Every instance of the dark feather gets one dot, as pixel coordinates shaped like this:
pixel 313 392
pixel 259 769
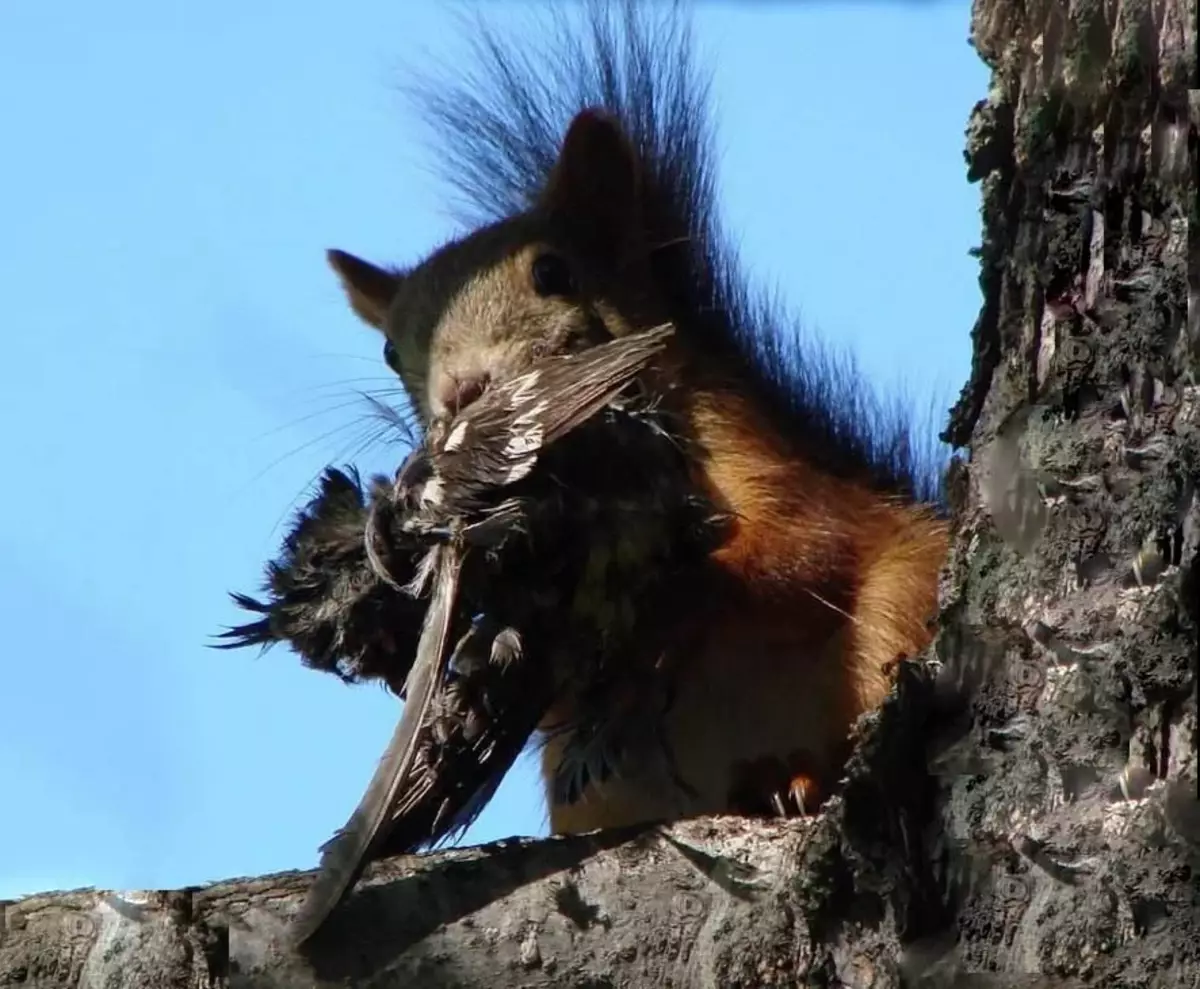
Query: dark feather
pixel 322 597
pixel 485 718
pixel 460 732
pixel 496 441
pixel 344 855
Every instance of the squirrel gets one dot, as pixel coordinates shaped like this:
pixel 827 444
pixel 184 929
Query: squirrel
pixel 592 173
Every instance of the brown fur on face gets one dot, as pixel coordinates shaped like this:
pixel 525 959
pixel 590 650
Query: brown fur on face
pixel 470 312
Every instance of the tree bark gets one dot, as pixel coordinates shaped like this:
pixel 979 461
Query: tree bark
pixel 603 910
pixel 1071 600
pixel 1023 809
pixel 721 902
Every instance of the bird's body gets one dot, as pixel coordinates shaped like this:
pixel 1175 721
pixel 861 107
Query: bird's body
pixel 541 554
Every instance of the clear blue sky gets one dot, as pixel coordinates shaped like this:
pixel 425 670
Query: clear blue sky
pixel 178 365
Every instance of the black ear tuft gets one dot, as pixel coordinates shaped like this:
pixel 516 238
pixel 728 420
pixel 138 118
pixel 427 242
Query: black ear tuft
pixel 593 189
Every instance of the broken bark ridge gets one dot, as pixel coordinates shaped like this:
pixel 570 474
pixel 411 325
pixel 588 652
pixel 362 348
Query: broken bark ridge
pixel 1056 841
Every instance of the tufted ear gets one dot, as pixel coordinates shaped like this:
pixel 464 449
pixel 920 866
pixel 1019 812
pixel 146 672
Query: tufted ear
pixel 593 189
pixel 369 289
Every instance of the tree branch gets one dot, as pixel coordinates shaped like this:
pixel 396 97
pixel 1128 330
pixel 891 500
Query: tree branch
pixel 714 902
pixel 696 904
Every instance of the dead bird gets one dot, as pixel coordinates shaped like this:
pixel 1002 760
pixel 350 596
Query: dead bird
pixel 536 552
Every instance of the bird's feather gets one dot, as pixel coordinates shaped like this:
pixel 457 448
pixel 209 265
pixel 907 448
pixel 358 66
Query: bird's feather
pixel 471 512
pixel 344 855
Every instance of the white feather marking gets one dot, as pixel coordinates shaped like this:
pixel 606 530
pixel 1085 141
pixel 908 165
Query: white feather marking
pixel 420 580
pixel 524 385
pixel 535 411
pixel 520 469
pixel 432 492
pixel 524 443
pixel 456 437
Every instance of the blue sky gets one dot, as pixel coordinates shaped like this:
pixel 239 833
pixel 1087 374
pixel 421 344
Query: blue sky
pixel 179 365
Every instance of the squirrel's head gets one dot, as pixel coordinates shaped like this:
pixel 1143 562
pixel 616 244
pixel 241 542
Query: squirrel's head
pixel 569 273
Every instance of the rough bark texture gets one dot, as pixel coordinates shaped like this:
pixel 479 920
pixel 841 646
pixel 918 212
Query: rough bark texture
pixel 1023 810
pixel 720 902
pixel 1071 601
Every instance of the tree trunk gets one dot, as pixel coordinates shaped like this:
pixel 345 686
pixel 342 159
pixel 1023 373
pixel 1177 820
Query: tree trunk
pixel 1072 597
pixel 1023 810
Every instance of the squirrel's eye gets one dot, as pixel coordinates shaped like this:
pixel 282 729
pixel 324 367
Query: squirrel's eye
pixel 390 356
pixel 552 276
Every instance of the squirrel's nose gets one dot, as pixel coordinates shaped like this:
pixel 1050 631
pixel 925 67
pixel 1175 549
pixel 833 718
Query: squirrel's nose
pixel 455 394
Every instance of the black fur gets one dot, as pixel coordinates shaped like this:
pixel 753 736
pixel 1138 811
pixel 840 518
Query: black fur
pixel 497 131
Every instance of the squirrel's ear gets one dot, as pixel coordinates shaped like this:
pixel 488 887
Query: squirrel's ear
pixel 593 188
pixel 369 289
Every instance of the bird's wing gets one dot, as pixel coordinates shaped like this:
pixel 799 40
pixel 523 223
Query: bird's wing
pixel 577 386
pixel 344 855
pixel 483 728
pixel 496 440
